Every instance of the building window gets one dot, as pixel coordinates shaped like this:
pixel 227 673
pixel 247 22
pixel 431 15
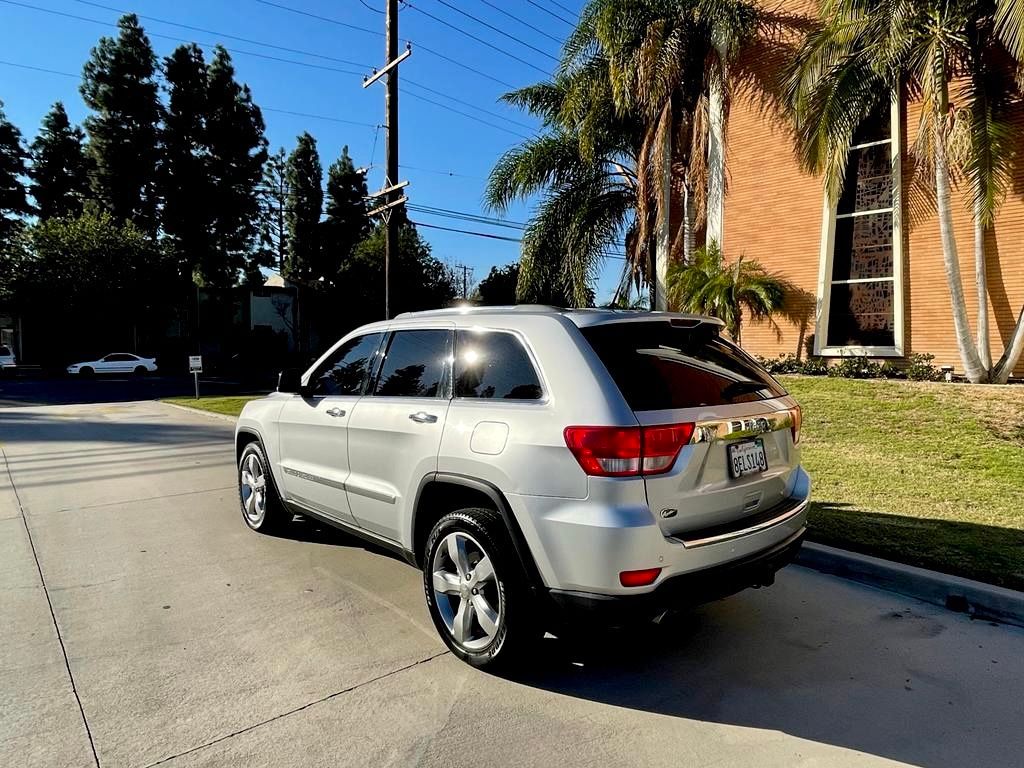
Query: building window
pixel 860 290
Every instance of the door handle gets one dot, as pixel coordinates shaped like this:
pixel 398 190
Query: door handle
pixel 335 412
pixel 421 417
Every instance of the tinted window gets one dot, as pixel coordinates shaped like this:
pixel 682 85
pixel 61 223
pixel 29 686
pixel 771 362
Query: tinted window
pixel 657 365
pixel 490 364
pixel 415 364
pixel 119 357
pixel 346 371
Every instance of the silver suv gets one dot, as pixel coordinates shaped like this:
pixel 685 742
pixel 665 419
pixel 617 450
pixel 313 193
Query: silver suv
pixel 543 467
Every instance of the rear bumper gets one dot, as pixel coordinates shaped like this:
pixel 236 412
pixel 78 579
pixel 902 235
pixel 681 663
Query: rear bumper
pixel 681 591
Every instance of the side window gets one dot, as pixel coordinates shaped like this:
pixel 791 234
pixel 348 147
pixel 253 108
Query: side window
pixel 345 372
pixel 493 364
pixel 415 364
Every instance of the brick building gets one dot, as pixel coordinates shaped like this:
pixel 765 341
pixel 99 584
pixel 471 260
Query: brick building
pixel 868 265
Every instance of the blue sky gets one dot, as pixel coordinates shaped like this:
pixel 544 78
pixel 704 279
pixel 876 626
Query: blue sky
pixel 445 155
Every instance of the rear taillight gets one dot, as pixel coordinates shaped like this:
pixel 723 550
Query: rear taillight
pixel 797 421
pixel 627 451
pixel 639 578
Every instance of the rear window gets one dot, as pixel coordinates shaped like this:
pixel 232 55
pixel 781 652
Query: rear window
pixel 658 366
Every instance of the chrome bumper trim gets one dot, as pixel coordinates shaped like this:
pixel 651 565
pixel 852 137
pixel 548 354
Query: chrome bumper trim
pixel 764 525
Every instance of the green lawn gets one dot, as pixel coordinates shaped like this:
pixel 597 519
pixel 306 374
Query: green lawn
pixel 229 406
pixel 927 474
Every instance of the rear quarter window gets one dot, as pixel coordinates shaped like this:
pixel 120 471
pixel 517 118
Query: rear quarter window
pixel 659 365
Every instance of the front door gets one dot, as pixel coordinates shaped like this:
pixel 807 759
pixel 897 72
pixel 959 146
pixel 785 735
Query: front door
pixel 314 429
pixel 395 430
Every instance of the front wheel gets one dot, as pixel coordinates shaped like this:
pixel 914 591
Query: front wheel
pixel 262 509
pixel 475 589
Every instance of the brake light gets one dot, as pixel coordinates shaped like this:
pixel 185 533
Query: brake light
pixel 627 451
pixel 798 419
pixel 639 578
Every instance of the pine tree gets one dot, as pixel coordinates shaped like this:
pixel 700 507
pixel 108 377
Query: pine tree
pixel 118 85
pixel 184 181
pixel 60 168
pixel 13 202
pixel 346 223
pixel 274 196
pixel 237 151
pixel 305 203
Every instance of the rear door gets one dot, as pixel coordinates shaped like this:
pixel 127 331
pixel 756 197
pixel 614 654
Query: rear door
pixel 395 431
pixel 742 457
pixel 313 428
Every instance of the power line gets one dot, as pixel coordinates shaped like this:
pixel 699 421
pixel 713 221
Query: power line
pixel 467 115
pixel 552 13
pixel 262 108
pixel 557 4
pixel 501 32
pixel 467 104
pixel 470 35
pixel 487 235
pixel 377 33
pixel 237 51
pixel 224 34
pixel 512 16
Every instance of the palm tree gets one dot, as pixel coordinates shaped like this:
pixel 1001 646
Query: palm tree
pixel 582 165
pixel 709 286
pixel 867 50
pixel 630 100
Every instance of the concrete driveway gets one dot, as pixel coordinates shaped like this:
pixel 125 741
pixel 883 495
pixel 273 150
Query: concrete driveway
pixel 142 624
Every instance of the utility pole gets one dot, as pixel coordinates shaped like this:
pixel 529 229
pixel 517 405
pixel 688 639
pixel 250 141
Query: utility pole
pixel 465 279
pixel 391 133
pixel 391 182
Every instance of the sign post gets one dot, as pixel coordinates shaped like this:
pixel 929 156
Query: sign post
pixel 195 367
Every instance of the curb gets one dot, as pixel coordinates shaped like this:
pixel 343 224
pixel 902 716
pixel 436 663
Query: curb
pixel 210 414
pixel 980 601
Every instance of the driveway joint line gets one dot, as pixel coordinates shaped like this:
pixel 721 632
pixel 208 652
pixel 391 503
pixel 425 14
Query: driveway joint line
pixel 296 710
pixel 148 498
pixel 49 603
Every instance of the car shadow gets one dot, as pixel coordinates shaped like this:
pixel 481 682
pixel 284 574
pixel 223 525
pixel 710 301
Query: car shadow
pixel 313 531
pixel 793 660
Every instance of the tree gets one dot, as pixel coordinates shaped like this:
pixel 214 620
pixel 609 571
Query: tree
pixel 237 151
pixel 13 202
pixel 305 202
pixel 274 195
pixel 60 168
pixel 707 285
pixel 499 287
pixel 867 52
pixel 418 279
pixel 346 222
pixel 118 84
pixel 185 185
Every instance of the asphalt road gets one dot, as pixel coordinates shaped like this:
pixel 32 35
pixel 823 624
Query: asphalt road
pixel 142 624
pixel 24 391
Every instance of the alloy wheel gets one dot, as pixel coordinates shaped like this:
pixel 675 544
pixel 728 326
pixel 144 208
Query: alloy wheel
pixel 254 490
pixel 466 591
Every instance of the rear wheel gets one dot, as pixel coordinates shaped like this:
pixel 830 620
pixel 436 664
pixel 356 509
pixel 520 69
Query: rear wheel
pixel 140 370
pixel 475 589
pixel 261 507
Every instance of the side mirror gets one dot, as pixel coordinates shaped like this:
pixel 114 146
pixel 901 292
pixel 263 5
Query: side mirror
pixel 290 380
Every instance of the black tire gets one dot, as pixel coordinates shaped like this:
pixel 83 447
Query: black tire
pixel 484 531
pixel 266 514
pixel 140 371
pixel 86 372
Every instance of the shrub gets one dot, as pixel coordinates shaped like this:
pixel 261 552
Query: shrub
pixel 790 363
pixel 856 368
pixel 815 366
pixel 920 368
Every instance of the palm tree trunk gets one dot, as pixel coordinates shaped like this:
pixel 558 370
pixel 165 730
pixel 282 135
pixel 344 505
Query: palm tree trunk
pixel 688 223
pixel 973 367
pixel 1003 369
pixel 981 279
pixel 663 237
pixel 716 160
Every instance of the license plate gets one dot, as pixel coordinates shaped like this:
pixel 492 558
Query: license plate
pixel 747 458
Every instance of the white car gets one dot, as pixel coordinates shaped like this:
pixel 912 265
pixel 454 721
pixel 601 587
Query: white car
pixel 7 357
pixel 543 467
pixel 116 362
